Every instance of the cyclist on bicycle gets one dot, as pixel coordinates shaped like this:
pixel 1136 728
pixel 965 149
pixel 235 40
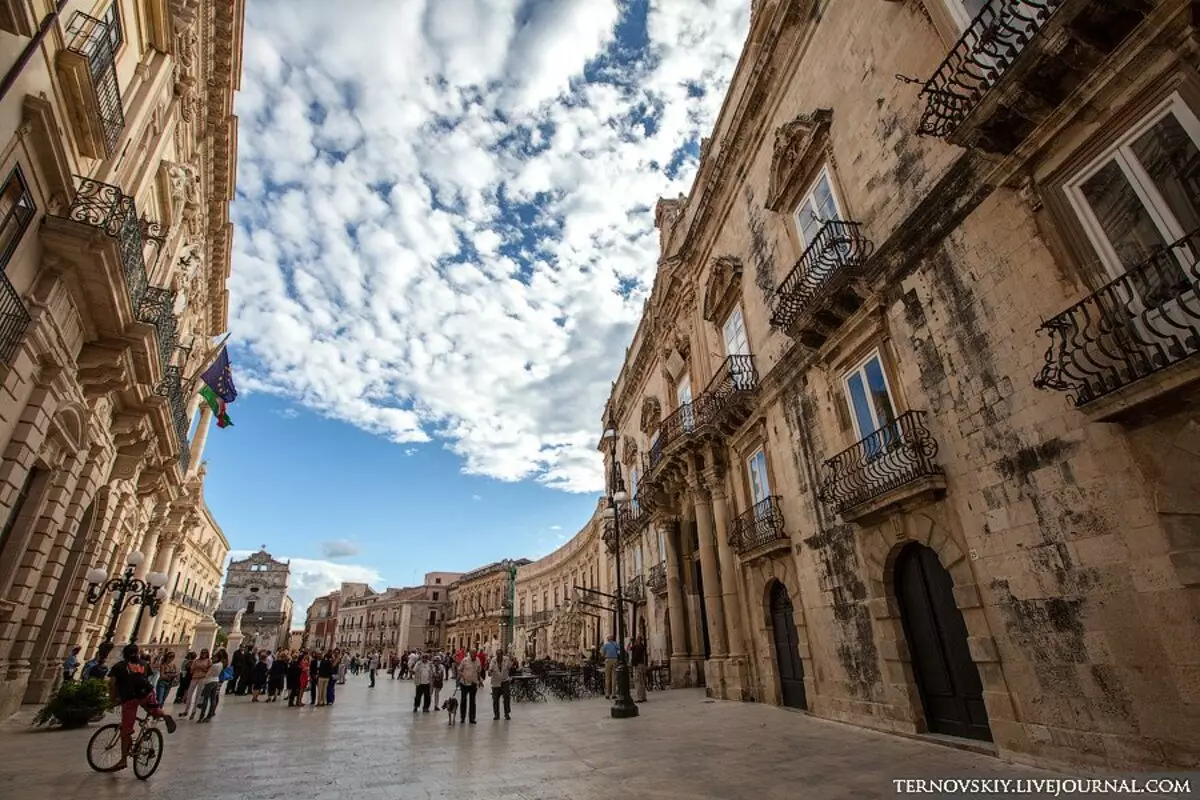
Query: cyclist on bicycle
pixel 129 686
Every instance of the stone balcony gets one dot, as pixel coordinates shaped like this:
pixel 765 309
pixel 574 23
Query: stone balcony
pixel 1105 349
pixel 759 531
pixel 171 388
pixel 1017 62
pixel 656 579
pixel 823 289
pixel 88 74
pixel 894 466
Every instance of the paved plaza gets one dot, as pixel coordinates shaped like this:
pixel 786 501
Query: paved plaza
pixel 370 746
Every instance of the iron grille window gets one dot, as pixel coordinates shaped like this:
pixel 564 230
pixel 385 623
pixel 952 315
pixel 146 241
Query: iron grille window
pixel 112 20
pixel 16 204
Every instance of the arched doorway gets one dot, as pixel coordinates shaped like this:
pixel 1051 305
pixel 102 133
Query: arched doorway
pixel 787 648
pixel 947 678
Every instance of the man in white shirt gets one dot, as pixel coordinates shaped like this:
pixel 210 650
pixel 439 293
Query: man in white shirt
pixel 423 677
pixel 413 658
pixel 500 673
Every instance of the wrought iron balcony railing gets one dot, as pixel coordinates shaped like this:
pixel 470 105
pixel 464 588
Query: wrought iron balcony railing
pixel 1144 321
pixel 158 309
pixel 681 422
pixel 834 257
pixel 733 385
pixel 172 389
pixel 90 38
pixel 656 578
pixel 759 525
pixel 104 206
pixel 14 320
pixel 988 48
pixel 898 453
pixel 634 589
pixel 633 521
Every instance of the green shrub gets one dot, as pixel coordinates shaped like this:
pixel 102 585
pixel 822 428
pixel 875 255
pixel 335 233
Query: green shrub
pixel 75 703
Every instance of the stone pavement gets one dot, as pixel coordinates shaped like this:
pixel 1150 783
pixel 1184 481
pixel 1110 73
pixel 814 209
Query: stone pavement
pixel 370 746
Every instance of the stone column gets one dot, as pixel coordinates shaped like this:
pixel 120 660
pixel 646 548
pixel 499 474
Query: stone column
pixel 205 635
pixel 679 639
pixel 735 667
pixel 164 563
pixel 192 407
pixel 200 438
pixel 712 590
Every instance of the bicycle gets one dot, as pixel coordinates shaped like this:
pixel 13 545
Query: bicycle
pixel 104 748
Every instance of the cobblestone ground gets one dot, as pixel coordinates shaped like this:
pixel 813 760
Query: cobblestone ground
pixel 370 746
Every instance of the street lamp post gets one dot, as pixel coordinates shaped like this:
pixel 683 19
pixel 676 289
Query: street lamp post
pixel 623 707
pixel 508 607
pixel 127 590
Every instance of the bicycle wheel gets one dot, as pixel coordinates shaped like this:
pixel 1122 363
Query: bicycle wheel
pixel 147 752
pixel 104 749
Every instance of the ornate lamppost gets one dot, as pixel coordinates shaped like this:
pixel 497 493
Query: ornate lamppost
pixel 508 621
pixel 623 707
pixel 127 590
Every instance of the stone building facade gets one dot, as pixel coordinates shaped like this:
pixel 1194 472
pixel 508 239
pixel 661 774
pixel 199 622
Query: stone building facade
pixel 557 611
pixel 480 612
pixel 255 601
pixel 912 410
pixel 118 167
pixel 394 620
pixel 195 586
pixel 321 621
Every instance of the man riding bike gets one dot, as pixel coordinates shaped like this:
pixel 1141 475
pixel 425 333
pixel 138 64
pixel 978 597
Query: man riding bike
pixel 129 685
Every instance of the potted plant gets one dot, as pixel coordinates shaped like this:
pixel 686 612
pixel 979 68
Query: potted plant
pixel 74 704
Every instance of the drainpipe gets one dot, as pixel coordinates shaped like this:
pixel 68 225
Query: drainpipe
pixel 15 71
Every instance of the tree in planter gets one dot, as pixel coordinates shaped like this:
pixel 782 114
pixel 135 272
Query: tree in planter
pixel 75 703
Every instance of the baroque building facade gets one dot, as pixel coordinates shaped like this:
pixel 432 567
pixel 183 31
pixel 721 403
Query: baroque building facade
pixel 119 150
pixel 255 601
pixel 910 420
pixel 480 606
pixel 195 582
pixel 392 621
pixel 561 599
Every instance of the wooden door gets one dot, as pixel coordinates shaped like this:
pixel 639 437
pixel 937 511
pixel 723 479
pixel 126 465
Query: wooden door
pixel 947 678
pixel 787 648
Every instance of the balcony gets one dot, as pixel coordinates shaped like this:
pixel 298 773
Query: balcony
pixel 673 430
pixel 158 309
pixel 893 466
pixel 14 320
pixel 822 290
pixel 88 72
pixel 1016 63
pixel 634 590
pixel 729 397
pixel 172 389
pixel 656 579
pixel 1142 323
pixel 759 531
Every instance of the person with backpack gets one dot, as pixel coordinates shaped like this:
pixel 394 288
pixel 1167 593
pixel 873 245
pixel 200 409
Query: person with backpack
pixel 97 668
pixel 130 688
pixel 210 694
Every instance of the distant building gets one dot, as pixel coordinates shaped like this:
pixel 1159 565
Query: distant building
pixel 357 618
pixel 258 587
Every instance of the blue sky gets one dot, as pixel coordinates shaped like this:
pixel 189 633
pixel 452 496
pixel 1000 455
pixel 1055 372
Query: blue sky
pixel 444 240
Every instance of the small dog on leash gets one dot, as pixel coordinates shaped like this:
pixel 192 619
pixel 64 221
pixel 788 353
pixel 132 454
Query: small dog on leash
pixel 451 707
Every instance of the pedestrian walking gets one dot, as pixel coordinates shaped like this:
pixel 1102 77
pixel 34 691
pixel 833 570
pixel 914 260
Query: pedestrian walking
pixel 277 676
pixel 439 678
pixel 611 652
pixel 71 664
pixel 423 680
pixel 168 676
pixel 185 678
pixel 325 673
pixel 468 684
pixel 297 674
pixel 258 677
pixel 373 667
pixel 637 658
pixel 200 668
pixel 210 695
pixel 500 674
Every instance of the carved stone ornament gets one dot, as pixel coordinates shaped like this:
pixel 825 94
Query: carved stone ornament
pixel 723 288
pixel 667 212
pixel 798 147
pixel 651 415
pixel 630 451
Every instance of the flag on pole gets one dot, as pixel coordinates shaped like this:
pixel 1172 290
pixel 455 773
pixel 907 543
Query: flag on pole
pixel 218 389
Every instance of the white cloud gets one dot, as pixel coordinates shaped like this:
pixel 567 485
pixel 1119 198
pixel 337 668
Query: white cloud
pixel 476 498
pixel 373 147
pixel 339 548
pixel 556 527
pixel 311 577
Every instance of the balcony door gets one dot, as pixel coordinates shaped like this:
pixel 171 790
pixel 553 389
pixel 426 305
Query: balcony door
pixel 683 398
pixel 737 344
pixel 1140 196
pixel 819 206
pixel 871 407
pixel 756 471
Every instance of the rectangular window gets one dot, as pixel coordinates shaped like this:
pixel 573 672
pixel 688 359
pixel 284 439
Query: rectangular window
pixel 662 545
pixel 736 343
pixel 16 212
pixel 756 468
pixel 963 11
pixel 637 559
pixel 819 206
pixel 871 406
pixel 633 487
pixel 1142 194
pixel 435 595
pixel 250 606
pixel 112 21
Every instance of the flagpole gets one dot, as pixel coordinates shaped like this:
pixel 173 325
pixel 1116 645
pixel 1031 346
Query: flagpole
pixel 209 358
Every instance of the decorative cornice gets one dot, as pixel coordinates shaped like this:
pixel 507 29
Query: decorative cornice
pixel 723 288
pixel 798 146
